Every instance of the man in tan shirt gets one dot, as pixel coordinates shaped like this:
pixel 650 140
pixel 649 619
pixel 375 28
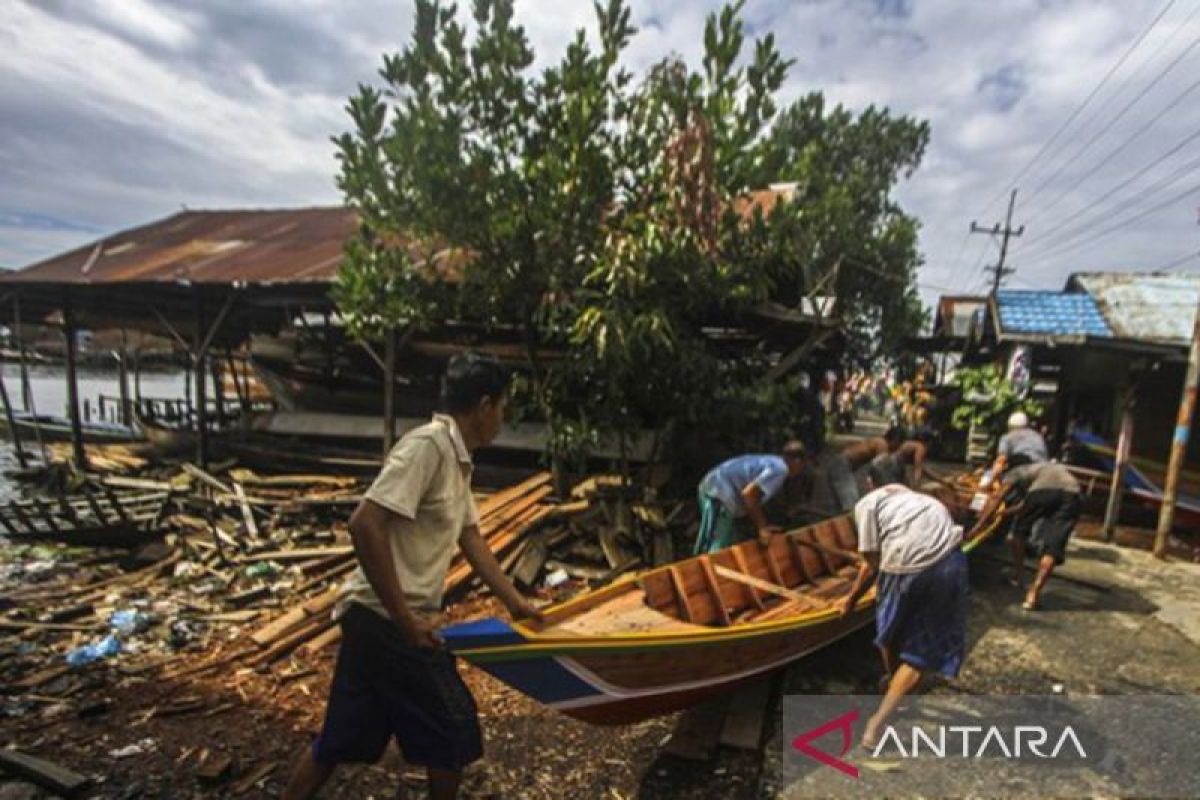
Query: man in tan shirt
pixel 393 678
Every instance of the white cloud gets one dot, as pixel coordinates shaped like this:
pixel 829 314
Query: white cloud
pixel 112 114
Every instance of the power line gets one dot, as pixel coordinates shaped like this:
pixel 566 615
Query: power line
pixel 1177 262
pixel 1162 183
pixel 1116 118
pixel 1040 236
pixel 1079 109
pixel 1125 223
pixel 1113 153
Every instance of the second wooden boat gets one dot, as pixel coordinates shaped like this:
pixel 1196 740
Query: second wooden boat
pixel 672 636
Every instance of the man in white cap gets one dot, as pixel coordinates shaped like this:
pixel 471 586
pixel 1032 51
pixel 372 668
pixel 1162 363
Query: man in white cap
pixel 1021 445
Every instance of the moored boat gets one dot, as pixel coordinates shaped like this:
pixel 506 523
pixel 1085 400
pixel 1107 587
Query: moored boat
pixel 58 429
pixel 674 635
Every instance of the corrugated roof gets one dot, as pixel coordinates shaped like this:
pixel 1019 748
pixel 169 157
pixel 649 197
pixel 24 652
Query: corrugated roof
pixel 301 245
pixel 1053 314
pixel 1150 307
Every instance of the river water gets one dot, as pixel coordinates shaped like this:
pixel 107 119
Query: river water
pixel 48 386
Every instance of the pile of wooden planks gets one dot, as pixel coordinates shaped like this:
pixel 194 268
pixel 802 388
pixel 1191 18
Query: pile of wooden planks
pixel 504 520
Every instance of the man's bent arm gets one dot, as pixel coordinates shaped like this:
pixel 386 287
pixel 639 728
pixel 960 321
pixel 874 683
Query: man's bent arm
pixel 369 535
pixel 752 499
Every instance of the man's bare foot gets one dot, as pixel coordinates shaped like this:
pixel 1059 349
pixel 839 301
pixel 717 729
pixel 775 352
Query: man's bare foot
pixel 1031 603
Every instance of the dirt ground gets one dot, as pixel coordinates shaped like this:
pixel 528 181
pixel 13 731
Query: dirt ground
pixel 1115 621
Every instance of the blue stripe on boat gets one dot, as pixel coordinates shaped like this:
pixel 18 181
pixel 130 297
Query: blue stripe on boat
pixel 541 677
pixel 490 632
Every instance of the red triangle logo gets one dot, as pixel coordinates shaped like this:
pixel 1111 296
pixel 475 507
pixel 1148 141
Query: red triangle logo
pixel 844 723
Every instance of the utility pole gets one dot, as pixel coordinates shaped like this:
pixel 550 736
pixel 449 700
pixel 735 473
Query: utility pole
pixel 1179 442
pixel 999 270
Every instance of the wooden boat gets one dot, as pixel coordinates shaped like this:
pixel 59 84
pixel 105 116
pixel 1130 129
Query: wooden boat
pixel 88 518
pixel 58 429
pixel 674 635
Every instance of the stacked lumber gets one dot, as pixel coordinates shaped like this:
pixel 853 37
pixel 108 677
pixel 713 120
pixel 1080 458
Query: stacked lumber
pixel 605 529
pixel 505 518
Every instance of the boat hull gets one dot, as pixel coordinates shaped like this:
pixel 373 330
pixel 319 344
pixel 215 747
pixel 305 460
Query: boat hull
pixel 621 683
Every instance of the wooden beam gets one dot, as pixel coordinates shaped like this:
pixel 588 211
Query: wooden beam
pixel 714 588
pixel 211 333
pixel 12 425
pixel 80 454
pixel 46 774
pixel 758 583
pixel 200 385
pixel 740 560
pixel 685 606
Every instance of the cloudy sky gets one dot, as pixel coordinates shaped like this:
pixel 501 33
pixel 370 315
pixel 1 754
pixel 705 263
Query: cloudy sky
pixel 117 112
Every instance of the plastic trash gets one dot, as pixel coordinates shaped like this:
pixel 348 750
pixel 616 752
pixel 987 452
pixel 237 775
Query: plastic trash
pixel 557 578
pixel 263 569
pixel 129 621
pixel 105 648
pixel 135 749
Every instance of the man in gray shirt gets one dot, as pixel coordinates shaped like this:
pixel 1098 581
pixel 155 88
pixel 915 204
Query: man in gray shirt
pixel 1045 495
pixel 1021 445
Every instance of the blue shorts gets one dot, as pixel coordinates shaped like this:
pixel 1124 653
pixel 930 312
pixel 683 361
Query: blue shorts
pixel 922 617
pixel 384 688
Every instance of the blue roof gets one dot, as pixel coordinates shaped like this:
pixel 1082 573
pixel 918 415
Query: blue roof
pixel 1050 313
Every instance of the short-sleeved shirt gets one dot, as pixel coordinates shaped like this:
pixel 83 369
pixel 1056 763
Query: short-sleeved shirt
pixel 909 530
pixel 1023 446
pixel 729 479
pixel 426 484
pixel 1047 475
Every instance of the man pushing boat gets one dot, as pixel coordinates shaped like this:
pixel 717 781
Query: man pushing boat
pixel 393 678
pixel 909 540
pixel 737 490
pixel 1044 496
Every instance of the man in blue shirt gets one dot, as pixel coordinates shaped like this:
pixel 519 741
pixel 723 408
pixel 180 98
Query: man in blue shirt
pixel 739 488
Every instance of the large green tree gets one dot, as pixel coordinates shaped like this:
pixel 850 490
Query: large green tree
pixel 593 210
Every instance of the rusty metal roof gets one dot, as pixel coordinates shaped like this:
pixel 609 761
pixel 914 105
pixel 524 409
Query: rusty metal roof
pixel 302 245
pixel 1147 307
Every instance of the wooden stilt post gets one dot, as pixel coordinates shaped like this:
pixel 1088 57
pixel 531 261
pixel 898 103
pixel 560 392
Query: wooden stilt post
pixel 1179 443
pixel 26 386
pixel 201 383
pixel 389 393
pixel 123 379
pixel 12 424
pixel 1124 446
pixel 77 449
pixel 218 390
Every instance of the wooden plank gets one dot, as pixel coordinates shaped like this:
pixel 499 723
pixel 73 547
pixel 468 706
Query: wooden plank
pixel 714 589
pixel 296 554
pixel 798 559
pixel 698 730
pixel 46 774
pixel 748 710
pixel 205 478
pixel 740 559
pixel 318 643
pixel 757 583
pixel 772 564
pixel 685 605
pixel 497 501
pixel 247 514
